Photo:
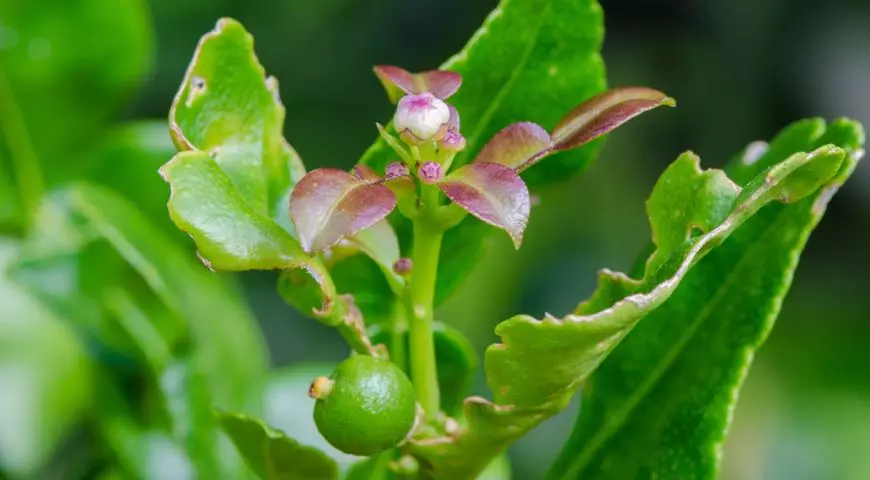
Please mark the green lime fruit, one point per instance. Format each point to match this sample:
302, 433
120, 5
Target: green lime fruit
366, 406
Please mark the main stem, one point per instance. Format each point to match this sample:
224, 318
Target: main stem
427, 247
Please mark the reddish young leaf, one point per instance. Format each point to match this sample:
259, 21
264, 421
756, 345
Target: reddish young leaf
439, 83
603, 113
329, 204
516, 145
493, 193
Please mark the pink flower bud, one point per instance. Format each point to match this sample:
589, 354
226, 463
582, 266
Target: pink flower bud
395, 170
403, 266
453, 141
424, 116
430, 172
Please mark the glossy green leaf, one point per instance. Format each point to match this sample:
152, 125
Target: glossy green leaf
226, 106
539, 364
330, 204
273, 455
531, 60
492, 192
45, 375
229, 233
663, 400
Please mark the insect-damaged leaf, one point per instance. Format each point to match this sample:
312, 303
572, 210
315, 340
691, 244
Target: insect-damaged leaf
329, 204
539, 364
493, 193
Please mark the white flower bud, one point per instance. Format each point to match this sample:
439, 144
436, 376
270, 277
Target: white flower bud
424, 116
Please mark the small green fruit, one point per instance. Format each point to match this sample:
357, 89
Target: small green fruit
366, 406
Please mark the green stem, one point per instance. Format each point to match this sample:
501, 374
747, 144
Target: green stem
26, 164
426, 249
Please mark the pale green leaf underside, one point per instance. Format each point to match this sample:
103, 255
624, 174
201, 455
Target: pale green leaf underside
273, 455
662, 402
539, 364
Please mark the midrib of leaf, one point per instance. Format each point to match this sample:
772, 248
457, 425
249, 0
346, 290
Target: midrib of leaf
506, 87
667, 361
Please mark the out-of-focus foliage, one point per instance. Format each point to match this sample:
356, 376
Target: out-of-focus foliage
800, 413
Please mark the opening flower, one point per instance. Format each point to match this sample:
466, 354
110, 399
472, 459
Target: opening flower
421, 117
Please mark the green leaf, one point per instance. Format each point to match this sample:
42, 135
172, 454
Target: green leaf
227, 107
45, 377
229, 233
273, 455
52, 118
539, 364
531, 60
663, 400
226, 338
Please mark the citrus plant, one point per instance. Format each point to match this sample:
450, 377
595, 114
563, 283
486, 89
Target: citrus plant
659, 353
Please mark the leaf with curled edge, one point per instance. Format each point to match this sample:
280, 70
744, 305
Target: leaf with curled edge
228, 107
492, 192
540, 364
667, 393
604, 113
330, 204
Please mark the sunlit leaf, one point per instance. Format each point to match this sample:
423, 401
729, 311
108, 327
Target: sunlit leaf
603, 113
666, 394
517, 145
273, 455
539, 364
330, 204
229, 234
226, 106
493, 193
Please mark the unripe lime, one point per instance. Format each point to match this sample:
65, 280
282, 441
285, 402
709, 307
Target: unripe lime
366, 406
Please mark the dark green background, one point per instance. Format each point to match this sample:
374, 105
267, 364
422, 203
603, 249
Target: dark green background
740, 70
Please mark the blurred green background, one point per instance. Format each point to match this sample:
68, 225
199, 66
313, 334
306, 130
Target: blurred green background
740, 70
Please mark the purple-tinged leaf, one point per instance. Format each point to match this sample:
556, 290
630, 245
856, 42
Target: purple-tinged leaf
439, 83
603, 113
365, 173
493, 193
329, 204
516, 146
